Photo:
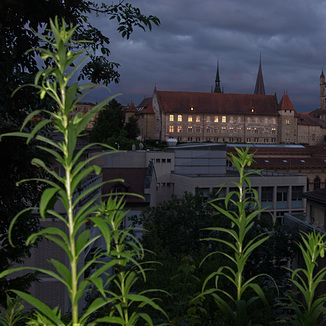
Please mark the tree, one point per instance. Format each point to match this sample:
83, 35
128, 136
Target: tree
19, 67
132, 127
109, 127
109, 123
118, 259
174, 230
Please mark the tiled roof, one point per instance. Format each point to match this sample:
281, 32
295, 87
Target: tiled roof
249, 104
316, 195
288, 163
129, 108
286, 103
145, 106
306, 119
286, 151
317, 113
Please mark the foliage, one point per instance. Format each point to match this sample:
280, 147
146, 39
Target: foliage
234, 303
109, 122
310, 310
172, 238
19, 66
109, 127
56, 81
13, 314
132, 128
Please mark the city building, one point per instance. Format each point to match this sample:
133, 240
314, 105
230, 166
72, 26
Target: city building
191, 167
297, 159
316, 207
230, 118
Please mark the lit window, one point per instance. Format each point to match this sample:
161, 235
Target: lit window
231, 129
231, 120
171, 117
179, 128
223, 129
216, 118
208, 119
248, 129
189, 118
197, 118
273, 131
274, 121
171, 128
287, 122
256, 131
179, 117
224, 118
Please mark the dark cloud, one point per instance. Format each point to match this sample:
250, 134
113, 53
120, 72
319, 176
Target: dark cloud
182, 53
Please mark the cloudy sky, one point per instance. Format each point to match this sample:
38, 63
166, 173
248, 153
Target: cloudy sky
182, 53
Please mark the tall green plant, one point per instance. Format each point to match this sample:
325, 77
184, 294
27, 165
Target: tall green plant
63, 59
309, 309
232, 302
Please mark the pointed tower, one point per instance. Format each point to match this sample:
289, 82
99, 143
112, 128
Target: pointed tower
322, 90
217, 88
260, 88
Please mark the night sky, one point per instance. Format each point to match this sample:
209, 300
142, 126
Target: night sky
182, 53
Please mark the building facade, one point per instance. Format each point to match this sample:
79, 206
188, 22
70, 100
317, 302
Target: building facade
231, 118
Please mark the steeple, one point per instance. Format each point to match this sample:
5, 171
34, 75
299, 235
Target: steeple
322, 90
260, 88
217, 88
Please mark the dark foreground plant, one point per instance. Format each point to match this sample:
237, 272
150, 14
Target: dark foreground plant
309, 306
63, 59
233, 302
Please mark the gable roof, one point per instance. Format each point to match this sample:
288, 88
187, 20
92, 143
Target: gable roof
249, 104
307, 119
145, 106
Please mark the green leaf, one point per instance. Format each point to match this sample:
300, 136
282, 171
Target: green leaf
47, 200
82, 241
44, 309
63, 271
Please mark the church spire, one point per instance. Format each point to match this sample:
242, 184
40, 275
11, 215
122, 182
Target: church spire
260, 88
217, 88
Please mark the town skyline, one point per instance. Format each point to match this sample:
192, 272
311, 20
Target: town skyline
182, 53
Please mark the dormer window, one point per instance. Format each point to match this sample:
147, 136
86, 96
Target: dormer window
197, 118
171, 117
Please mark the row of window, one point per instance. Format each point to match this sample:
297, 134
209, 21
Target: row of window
228, 139
223, 129
281, 193
216, 118
163, 160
